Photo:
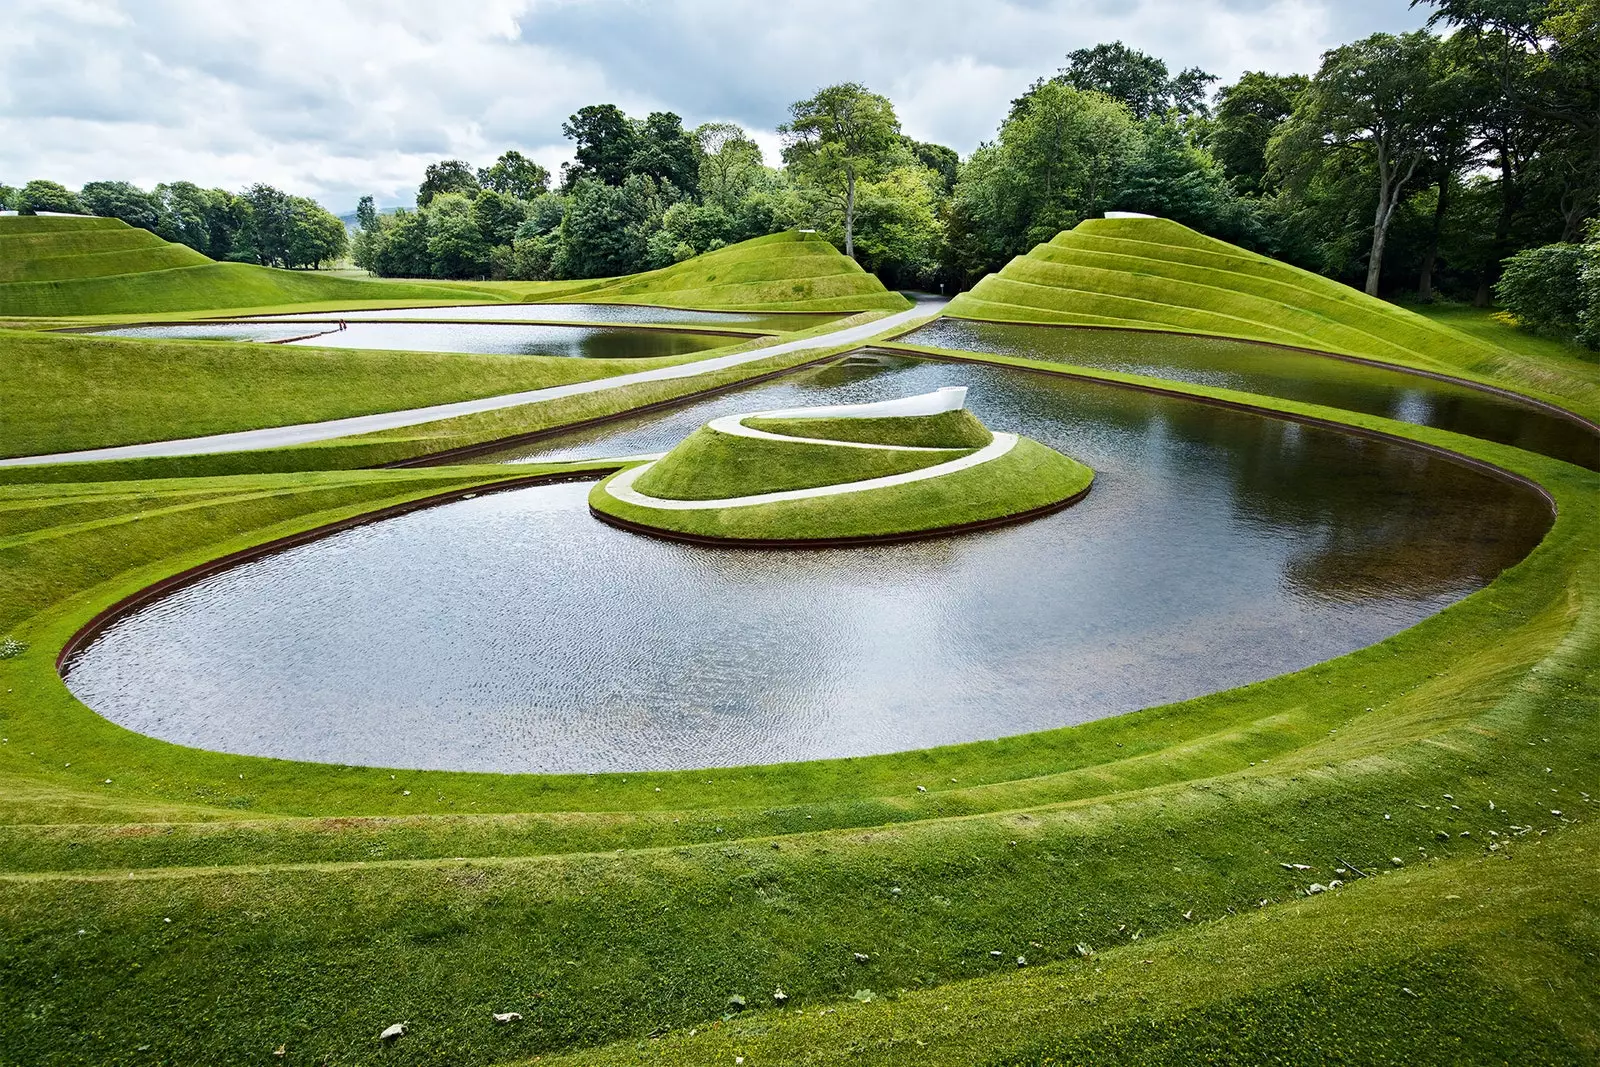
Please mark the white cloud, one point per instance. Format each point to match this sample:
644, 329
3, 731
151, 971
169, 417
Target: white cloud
336, 98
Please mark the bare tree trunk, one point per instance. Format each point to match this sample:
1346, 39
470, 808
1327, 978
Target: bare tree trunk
1380, 235
850, 212
1425, 284
1388, 198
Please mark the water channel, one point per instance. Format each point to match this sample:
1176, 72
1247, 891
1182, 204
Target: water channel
513, 632
1281, 372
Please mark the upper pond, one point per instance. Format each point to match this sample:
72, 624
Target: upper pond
513, 632
603, 314
583, 342
1281, 372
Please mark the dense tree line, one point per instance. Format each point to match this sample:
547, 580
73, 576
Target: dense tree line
261, 225
1463, 158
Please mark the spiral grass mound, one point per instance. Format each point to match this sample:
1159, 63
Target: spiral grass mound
900, 469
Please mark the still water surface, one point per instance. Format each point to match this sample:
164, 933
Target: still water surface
602, 314
1270, 371
514, 632
581, 342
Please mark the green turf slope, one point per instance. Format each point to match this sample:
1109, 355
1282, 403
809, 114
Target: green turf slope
790, 271
65, 392
1155, 274
90, 266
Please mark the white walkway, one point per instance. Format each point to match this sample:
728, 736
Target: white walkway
306, 433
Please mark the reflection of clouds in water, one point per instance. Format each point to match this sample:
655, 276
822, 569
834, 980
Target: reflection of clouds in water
514, 632
1277, 372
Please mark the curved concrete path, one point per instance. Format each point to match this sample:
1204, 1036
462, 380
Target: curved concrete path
621, 486
308, 432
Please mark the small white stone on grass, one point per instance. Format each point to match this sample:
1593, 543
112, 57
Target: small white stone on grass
389, 1034
504, 1017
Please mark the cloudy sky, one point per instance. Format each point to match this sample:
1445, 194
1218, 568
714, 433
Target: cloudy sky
337, 98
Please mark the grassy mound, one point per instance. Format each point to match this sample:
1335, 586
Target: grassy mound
1156, 274
90, 266
782, 272
714, 464
949, 429
711, 465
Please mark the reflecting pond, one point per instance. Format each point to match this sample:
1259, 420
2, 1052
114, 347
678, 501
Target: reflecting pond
1285, 373
618, 314
513, 632
582, 342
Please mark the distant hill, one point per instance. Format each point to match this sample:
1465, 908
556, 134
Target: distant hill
790, 271
62, 266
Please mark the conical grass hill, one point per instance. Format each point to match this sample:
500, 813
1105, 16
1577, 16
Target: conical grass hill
1155, 274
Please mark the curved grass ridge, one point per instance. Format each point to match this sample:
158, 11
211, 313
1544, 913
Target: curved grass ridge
778, 477
59, 267
64, 267
790, 271
320, 930
1155, 274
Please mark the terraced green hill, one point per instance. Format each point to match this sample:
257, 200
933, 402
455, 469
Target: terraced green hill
1155, 274
91, 266
782, 272
911, 467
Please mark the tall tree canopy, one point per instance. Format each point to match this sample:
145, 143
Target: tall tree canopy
515, 175
603, 141
837, 138
1137, 79
1369, 106
446, 176
1248, 113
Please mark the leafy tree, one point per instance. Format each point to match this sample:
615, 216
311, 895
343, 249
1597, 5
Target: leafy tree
729, 163
1542, 287
901, 232
366, 213
607, 228
604, 140
212, 221
446, 176
1545, 57
838, 137
497, 216
122, 200
1248, 113
1057, 162
271, 219
515, 175
315, 235
1138, 80
41, 195
936, 157
1458, 98
8, 196
402, 251
698, 227
664, 151
455, 243
1169, 177
1370, 106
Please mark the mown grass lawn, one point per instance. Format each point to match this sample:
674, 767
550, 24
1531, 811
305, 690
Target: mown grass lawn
162, 904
